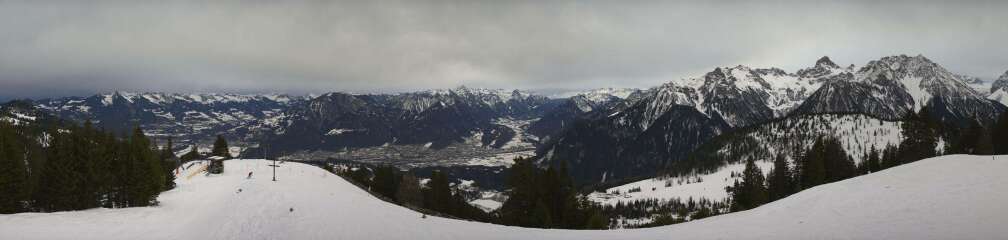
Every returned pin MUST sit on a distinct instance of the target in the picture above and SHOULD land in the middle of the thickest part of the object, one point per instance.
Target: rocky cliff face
(895, 86)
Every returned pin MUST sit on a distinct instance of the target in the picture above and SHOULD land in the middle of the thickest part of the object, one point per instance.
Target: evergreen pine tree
(193, 154)
(84, 149)
(220, 148)
(969, 139)
(889, 158)
(60, 177)
(169, 164)
(384, 181)
(873, 161)
(920, 139)
(813, 166)
(541, 215)
(596, 221)
(439, 194)
(522, 194)
(409, 193)
(545, 199)
(751, 191)
(145, 170)
(984, 144)
(166, 152)
(999, 135)
(13, 172)
(780, 183)
(839, 165)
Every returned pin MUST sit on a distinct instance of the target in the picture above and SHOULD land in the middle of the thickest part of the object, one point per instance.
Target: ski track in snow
(950, 197)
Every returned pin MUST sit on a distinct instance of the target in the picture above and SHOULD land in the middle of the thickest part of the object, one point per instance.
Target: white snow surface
(710, 186)
(1001, 96)
(949, 197)
(504, 159)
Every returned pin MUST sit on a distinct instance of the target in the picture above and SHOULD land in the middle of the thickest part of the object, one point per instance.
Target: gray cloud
(60, 48)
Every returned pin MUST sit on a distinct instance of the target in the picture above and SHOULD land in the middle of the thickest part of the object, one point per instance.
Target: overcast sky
(60, 48)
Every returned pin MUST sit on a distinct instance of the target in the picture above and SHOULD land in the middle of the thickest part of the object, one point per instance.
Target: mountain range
(601, 135)
(674, 119)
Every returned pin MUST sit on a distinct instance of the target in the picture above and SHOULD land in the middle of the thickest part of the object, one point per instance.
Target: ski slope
(950, 197)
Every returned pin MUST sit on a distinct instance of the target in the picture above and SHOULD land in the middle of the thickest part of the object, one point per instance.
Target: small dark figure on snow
(249, 176)
(239, 190)
(291, 209)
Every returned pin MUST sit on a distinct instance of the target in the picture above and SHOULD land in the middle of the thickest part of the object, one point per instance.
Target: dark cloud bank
(66, 48)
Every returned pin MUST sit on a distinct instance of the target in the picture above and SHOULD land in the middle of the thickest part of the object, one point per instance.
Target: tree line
(404, 188)
(540, 198)
(73, 167)
(662, 211)
(826, 161)
(546, 198)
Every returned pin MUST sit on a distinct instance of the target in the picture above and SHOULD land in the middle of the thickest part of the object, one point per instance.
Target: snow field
(948, 197)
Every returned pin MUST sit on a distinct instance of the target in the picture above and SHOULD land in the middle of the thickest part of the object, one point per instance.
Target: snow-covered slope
(739, 95)
(857, 134)
(665, 123)
(999, 89)
(950, 197)
(337, 121)
(976, 83)
(895, 86)
(591, 100)
(186, 117)
(710, 186)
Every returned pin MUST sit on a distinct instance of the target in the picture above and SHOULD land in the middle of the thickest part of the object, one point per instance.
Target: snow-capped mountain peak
(999, 89)
(605, 95)
(894, 86)
(919, 76)
(823, 67)
(741, 95)
(825, 62)
(1001, 83)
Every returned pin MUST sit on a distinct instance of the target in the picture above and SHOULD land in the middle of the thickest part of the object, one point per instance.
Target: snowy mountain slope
(588, 101)
(22, 113)
(857, 134)
(1001, 83)
(598, 92)
(894, 86)
(710, 186)
(949, 197)
(197, 117)
(999, 90)
(665, 123)
(978, 84)
(1000, 96)
(16, 116)
(720, 157)
(579, 105)
(434, 118)
(741, 95)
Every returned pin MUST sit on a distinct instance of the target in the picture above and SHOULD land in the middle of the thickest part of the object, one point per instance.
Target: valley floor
(949, 197)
